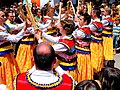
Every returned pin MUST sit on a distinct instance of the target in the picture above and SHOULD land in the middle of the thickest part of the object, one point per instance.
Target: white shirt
(3, 87)
(92, 27)
(78, 33)
(46, 77)
(43, 26)
(105, 22)
(12, 38)
(14, 27)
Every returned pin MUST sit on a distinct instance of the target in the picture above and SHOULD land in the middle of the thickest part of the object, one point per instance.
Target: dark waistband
(5, 44)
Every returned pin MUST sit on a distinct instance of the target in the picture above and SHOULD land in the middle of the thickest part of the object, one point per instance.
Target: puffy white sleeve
(43, 26)
(50, 38)
(92, 28)
(12, 38)
(79, 34)
(16, 27)
(105, 22)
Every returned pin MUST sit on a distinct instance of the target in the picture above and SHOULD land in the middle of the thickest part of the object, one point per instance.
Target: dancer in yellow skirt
(108, 39)
(83, 38)
(8, 68)
(96, 46)
(64, 47)
(25, 52)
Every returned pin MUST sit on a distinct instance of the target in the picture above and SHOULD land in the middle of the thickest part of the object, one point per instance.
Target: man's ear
(55, 62)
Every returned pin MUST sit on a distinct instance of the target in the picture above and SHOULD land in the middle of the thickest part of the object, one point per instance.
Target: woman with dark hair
(64, 47)
(87, 85)
(110, 78)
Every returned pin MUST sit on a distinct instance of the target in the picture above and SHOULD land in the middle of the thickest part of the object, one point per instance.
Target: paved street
(117, 60)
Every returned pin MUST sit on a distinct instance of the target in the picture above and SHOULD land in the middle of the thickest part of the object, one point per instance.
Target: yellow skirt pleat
(108, 48)
(24, 55)
(97, 57)
(85, 71)
(8, 70)
(73, 73)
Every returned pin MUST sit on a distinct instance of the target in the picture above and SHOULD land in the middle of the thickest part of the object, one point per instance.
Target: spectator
(110, 78)
(41, 76)
(87, 85)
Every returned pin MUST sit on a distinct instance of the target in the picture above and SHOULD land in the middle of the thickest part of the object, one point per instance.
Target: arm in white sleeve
(16, 27)
(59, 70)
(50, 38)
(3, 87)
(12, 38)
(92, 28)
(30, 30)
(59, 48)
(44, 30)
(43, 26)
(57, 17)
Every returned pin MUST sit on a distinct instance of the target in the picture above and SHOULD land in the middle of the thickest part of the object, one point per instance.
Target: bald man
(41, 76)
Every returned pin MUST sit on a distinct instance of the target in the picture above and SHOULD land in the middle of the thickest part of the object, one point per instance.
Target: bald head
(44, 55)
(43, 48)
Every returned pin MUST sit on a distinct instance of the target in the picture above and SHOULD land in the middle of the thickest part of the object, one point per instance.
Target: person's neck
(43, 70)
(63, 35)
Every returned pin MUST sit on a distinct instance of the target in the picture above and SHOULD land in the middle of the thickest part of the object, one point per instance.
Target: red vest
(24, 82)
(69, 43)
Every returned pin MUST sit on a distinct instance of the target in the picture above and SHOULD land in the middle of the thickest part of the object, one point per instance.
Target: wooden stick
(60, 11)
(89, 6)
(21, 12)
(30, 15)
(32, 18)
(78, 8)
(72, 7)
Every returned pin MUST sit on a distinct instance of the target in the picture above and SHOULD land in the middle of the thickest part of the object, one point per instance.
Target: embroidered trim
(70, 68)
(6, 52)
(95, 40)
(82, 51)
(107, 35)
(68, 64)
(51, 85)
(27, 42)
(15, 82)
